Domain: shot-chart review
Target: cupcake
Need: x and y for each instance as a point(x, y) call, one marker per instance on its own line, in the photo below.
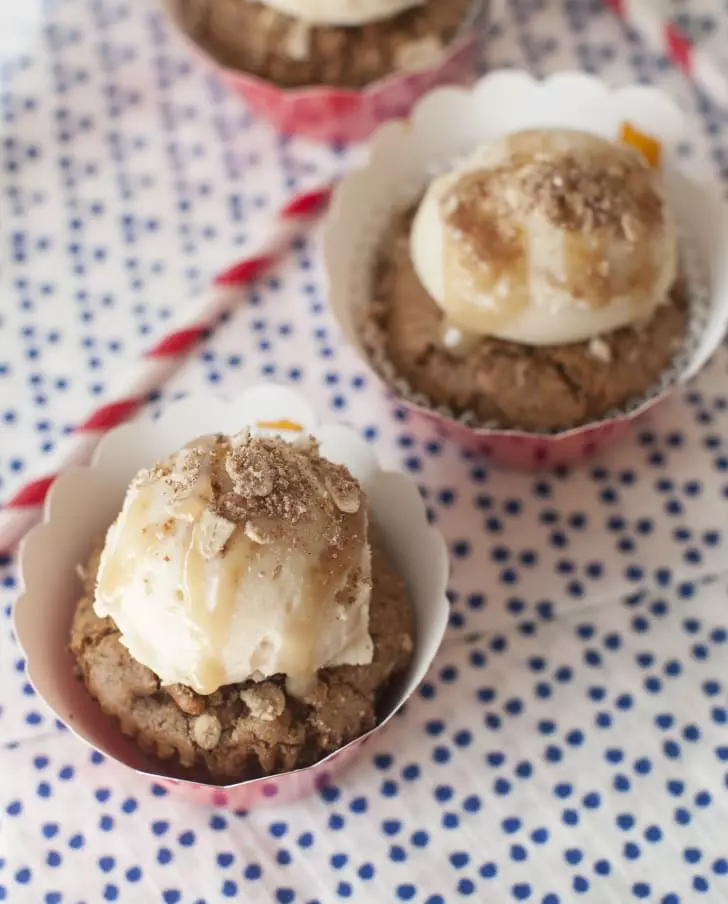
point(341, 43)
point(238, 619)
point(533, 286)
point(242, 617)
point(333, 69)
point(524, 263)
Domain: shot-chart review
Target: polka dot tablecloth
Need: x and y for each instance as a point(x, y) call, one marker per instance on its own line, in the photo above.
point(571, 739)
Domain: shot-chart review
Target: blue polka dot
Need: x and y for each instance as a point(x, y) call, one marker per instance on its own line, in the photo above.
point(625, 821)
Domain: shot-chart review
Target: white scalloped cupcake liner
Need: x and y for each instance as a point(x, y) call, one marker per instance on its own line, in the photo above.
point(84, 502)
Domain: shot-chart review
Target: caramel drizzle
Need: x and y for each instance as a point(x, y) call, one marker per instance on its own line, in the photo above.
point(136, 537)
point(297, 656)
point(486, 259)
point(487, 262)
point(214, 621)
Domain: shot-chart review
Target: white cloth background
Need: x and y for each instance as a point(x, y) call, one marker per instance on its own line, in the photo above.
point(571, 740)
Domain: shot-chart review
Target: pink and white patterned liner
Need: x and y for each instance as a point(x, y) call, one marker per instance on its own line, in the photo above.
point(344, 115)
point(450, 123)
point(84, 501)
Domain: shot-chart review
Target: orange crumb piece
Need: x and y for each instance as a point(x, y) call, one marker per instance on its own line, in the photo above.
point(280, 425)
point(649, 147)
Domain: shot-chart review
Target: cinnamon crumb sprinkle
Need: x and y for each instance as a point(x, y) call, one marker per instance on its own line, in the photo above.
point(578, 192)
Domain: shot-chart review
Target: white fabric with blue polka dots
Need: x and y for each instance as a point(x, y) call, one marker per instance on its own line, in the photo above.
point(571, 740)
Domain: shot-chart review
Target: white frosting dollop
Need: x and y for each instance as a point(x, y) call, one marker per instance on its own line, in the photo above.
point(546, 237)
point(240, 558)
point(341, 12)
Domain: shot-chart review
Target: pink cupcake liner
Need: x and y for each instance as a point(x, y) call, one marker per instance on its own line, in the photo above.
point(529, 452)
point(276, 790)
point(84, 501)
point(452, 122)
point(346, 115)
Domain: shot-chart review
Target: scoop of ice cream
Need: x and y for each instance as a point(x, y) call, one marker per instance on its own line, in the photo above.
point(546, 237)
point(341, 12)
point(240, 557)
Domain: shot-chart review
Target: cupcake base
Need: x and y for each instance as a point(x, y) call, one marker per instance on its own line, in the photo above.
point(244, 731)
point(503, 384)
point(251, 37)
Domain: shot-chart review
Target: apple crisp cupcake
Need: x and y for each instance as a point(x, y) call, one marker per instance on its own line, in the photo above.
point(334, 69)
point(524, 263)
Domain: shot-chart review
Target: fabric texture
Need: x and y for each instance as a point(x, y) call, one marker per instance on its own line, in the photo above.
point(571, 739)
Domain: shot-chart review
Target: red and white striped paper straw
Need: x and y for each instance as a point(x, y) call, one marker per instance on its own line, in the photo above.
point(157, 365)
point(650, 19)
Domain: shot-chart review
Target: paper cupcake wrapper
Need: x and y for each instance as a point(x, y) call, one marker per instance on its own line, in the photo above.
point(451, 123)
point(84, 501)
point(343, 115)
